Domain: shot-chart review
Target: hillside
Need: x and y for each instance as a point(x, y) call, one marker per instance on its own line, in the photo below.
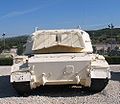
point(105, 35)
point(18, 41)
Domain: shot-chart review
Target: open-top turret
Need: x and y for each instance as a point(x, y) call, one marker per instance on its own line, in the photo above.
point(59, 41)
point(59, 57)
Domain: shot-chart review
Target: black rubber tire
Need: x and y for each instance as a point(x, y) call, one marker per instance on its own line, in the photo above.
point(97, 85)
point(22, 88)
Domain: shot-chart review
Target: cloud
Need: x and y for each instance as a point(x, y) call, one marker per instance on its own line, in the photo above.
point(18, 13)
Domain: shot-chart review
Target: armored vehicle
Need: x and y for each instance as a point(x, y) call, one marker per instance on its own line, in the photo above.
point(59, 57)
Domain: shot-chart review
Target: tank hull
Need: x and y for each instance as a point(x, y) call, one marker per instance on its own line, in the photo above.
point(59, 57)
point(61, 69)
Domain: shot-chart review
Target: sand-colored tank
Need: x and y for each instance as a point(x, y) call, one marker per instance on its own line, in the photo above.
point(59, 57)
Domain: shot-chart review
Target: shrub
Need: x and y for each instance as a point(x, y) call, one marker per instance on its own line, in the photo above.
point(113, 59)
point(6, 61)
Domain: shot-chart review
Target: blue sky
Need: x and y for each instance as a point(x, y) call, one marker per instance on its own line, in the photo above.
point(19, 17)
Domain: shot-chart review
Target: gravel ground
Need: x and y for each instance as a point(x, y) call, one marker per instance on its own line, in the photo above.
point(4, 70)
point(110, 95)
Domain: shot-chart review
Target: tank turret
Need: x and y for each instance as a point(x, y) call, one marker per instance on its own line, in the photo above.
point(56, 41)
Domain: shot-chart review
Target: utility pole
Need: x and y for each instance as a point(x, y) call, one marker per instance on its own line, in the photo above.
point(3, 42)
point(111, 33)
